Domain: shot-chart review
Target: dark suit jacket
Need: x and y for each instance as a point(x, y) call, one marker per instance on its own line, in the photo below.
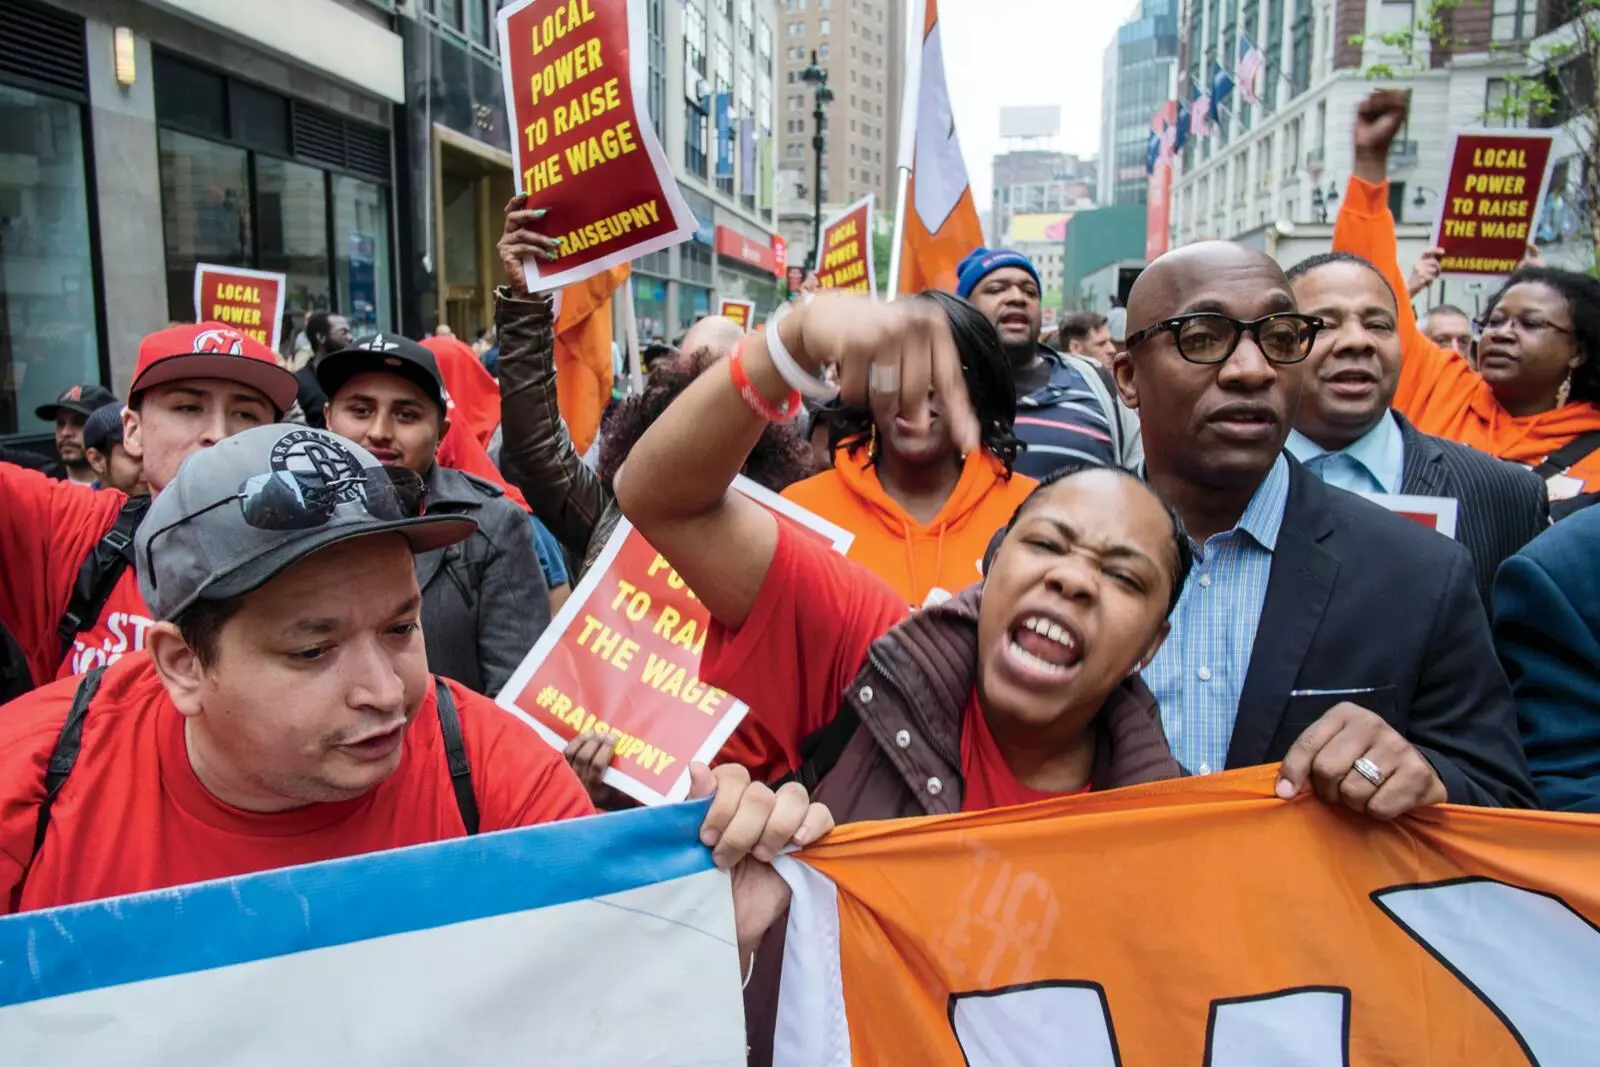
point(1361, 599)
point(1503, 505)
point(1547, 631)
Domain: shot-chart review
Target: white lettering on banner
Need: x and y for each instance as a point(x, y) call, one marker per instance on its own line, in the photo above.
point(126, 634)
point(940, 172)
point(1531, 959)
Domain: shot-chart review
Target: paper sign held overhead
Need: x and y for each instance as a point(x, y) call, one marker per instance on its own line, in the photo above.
point(739, 311)
point(847, 250)
point(623, 657)
point(583, 148)
point(251, 301)
point(1489, 203)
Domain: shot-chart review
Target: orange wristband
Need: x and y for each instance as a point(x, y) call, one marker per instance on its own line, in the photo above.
point(752, 396)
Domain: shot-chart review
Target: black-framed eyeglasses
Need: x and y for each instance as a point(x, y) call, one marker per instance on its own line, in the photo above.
point(304, 500)
point(1496, 320)
point(1207, 337)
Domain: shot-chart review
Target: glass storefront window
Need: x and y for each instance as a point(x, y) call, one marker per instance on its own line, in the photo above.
point(650, 309)
point(48, 337)
point(693, 303)
point(361, 254)
point(292, 219)
point(205, 207)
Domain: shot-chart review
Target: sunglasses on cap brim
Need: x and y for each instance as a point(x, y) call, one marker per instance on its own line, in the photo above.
point(304, 500)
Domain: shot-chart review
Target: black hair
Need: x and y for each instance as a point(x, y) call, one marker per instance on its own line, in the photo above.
point(200, 624)
point(1323, 259)
point(318, 328)
point(1182, 552)
point(989, 386)
point(779, 459)
point(1582, 294)
point(1078, 325)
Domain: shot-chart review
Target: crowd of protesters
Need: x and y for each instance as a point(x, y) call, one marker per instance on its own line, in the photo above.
point(255, 610)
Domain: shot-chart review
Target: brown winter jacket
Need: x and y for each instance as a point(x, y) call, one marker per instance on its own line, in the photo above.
point(904, 759)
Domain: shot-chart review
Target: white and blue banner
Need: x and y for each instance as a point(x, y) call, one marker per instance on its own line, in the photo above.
point(607, 940)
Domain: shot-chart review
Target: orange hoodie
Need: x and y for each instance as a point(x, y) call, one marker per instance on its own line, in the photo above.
point(915, 559)
point(1439, 391)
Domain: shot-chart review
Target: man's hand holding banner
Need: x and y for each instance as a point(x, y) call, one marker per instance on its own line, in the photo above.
point(622, 657)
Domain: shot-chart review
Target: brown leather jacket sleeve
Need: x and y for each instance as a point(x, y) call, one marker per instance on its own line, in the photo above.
point(537, 454)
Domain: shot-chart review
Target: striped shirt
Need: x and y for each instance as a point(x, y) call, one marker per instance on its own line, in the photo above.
point(1063, 422)
point(1199, 673)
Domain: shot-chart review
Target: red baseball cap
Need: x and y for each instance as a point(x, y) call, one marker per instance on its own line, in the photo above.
point(212, 350)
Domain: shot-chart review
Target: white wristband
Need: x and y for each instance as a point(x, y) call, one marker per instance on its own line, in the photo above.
point(810, 386)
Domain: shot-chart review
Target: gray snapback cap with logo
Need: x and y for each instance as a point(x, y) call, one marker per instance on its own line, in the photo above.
point(195, 542)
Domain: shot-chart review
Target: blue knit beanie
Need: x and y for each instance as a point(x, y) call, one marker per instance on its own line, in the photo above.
point(981, 262)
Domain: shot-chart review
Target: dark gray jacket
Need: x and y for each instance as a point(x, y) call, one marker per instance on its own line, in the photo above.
point(484, 600)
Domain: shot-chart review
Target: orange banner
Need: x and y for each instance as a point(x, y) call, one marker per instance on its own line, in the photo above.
point(739, 311)
point(623, 657)
point(847, 250)
point(251, 301)
point(1198, 921)
point(1490, 201)
point(582, 144)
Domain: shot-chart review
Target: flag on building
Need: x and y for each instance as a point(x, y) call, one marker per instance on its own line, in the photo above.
point(938, 220)
point(1252, 61)
point(1199, 113)
point(583, 353)
point(1221, 86)
point(1455, 937)
point(1181, 137)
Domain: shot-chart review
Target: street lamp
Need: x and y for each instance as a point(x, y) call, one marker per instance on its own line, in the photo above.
point(817, 78)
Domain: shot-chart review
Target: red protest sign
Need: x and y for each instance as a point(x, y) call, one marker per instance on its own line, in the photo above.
point(623, 657)
point(1490, 203)
point(740, 311)
point(847, 250)
point(1437, 513)
point(251, 301)
point(582, 144)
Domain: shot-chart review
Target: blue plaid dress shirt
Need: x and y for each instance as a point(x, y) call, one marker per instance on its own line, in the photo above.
point(1199, 673)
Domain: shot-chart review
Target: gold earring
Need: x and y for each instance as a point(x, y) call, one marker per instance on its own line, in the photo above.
point(872, 443)
point(1564, 390)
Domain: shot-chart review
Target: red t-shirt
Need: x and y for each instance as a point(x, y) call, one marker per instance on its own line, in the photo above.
point(133, 816)
point(805, 640)
point(47, 529)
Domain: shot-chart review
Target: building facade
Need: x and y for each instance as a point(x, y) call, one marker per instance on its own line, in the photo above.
point(140, 139)
point(1038, 181)
point(1139, 68)
point(1285, 162)
point(860, 43)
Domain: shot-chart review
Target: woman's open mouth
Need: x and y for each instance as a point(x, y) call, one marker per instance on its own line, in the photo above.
point(1042, 650)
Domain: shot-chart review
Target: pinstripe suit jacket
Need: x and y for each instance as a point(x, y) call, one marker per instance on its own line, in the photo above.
point(1503, 505)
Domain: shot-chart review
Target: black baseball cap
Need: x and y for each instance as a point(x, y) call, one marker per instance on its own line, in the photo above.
point(387, 353)
point(104, 427)
point(249, 507)
point(82, 399)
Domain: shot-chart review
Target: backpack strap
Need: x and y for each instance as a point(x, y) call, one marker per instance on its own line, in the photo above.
point(102, 569)
point(455, 753)
point(822, 748)
point(1568, 455)
point(64, 756)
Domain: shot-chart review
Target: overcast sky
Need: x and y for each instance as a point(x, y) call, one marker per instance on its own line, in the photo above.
point(999, 53)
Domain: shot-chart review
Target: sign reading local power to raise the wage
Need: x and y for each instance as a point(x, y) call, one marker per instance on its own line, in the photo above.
point(582, 145)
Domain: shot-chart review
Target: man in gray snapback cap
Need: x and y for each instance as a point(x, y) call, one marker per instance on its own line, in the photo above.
point(282, 711)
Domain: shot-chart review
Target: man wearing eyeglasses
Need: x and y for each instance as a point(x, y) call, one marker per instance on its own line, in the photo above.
point(283, 712)
point(1347, 433)
point(67, 590)
point(1316, 628)
point(485, 601)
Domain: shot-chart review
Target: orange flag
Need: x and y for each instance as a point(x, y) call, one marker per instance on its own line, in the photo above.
point(583, 353)
point(1198, 921)
point(938, 218)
